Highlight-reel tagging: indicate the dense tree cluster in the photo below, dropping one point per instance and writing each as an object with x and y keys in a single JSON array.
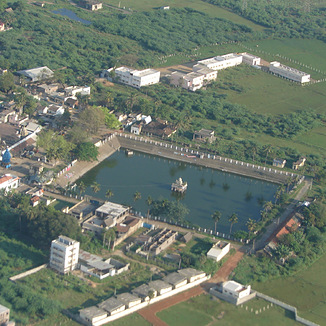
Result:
[
  {"x": 172, "y": 30},
  {"x": 286, "y": 18}
]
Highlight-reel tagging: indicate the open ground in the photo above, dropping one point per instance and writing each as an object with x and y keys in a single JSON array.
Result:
[{"x": 306, "y": 290}]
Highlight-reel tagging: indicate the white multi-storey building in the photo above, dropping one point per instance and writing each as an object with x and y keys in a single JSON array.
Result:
[
  {"x": 64, "y": 254},
  {"x": 137, "y": 78},
  {"x": 222, "y": 62},
  {"x": 287, "y": 72}
]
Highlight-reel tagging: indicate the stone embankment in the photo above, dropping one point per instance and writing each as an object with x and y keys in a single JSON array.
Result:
[{"x": 191, "y": 156}]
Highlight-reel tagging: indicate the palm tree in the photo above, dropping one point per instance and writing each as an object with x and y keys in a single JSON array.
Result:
[
  {"x": 251, "y": 225},
  {"x": 109, "y": 193},
  {"x": 96, "y": 187},
  {"x": 263, "y": 215},
  {"x": 137, "y": 195},
  {"x": 149, "y": 202},
  {"x": 268, "y": 206},
  {"x": 216, "y": 217},
  {"x": 233, "y": 219},
  {"x": 82, "y": 187}
]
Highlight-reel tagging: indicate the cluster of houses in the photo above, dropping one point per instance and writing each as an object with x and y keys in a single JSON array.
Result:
[
  {"x": 280, "y": 163},
  {"x": 66, "y": 256},
  {"x": 123, "y": 304}
]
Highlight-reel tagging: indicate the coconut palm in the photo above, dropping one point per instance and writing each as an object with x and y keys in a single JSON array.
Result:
[
  {"x": 268, "y": 206},
  {"x": 233, "y": 219},
  {"x": 149, "y": 202},
  {"x": 251, "y": 225},
  {"x": 137, "y": 195},
  {"x": 109, "y": 193},
  {"x": 82, "y": 187},
  {"x": 216, "y": 217},
  {"x": 96, "y": 187}
]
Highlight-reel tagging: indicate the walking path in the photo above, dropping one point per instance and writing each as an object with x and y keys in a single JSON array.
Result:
[
  {"x": 270, "y": 229},
  {"x": 149, "y": 313},
  {"x": 81, "y": 167}
]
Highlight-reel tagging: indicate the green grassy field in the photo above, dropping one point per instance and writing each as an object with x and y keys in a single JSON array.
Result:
[
  {"x": 131, "y": 320},
  {"x": 308, "y": 52},
  {"x": 213, "y": 11},
  {"x": 306, "y": 291},
  {"x": 268, "y": 94},
  {"x": 203, "y": 310}
]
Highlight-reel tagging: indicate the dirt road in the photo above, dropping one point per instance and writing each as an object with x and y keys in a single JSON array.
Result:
[{"x": 149, "y": 313}]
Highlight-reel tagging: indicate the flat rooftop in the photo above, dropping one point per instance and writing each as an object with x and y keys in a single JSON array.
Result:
[
  {"x": 112, "y": 209},
  {"x": 3, "y": 308},
  {"x": 92, "y": 312},
  {"x": 145, "y": 72},
  {"x": 174, "y": 278},
  {"x": 190, "y": 272},
  {"x": 159, "y": 285},
  {"x": 127, "y": 297},
  {"x": 279, "y": 65},
  {"x": 88, "y": 257},
  {"x": 110, "y": 304}
]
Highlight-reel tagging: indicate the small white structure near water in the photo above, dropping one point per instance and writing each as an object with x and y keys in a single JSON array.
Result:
[{"x": 219, "y": 250}]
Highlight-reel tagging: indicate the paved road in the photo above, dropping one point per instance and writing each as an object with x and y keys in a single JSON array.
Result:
[{"x": 262, "y": 242}]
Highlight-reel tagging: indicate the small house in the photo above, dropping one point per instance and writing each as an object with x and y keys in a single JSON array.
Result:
[
  {"x": 187, "y": 237},
  {"x": 176, "y": 280},
  {"x": 112, "y": 306},
  {"x": 136, "y": 128},
  {"x": 279, "y": 163},
  {"x": 219, "y": 250},
  {"x": 298, "y": 164},
  {"x": 191, "y": 274},
  {"x": 160, "y": 286},
  {"x": 204, "y": 135},
  {"x": 92, "y": 314},
  {"x": 143, "y": 292},
  {"x": 2, "y": 26},
  {"x": 4, "y": 315},
  {"x": 235, "y": 289},
  {"x": 128, "y": 299}
]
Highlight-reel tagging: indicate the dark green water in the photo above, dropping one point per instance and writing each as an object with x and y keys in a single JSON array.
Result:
[{"x": 152, "y": 176}]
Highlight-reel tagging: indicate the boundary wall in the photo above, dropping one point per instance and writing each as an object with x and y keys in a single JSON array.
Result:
[
  {"x": 144, "y": 304},
  {"x": 29, "y": 272},
  {"x": 287, "y": 307}
]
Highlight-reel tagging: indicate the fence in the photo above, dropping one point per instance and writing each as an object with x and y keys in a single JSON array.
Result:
[{"x": 287, "y": 307}]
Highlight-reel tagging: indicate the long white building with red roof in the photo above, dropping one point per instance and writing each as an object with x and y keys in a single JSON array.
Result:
[{"x": 9, "y": 182}]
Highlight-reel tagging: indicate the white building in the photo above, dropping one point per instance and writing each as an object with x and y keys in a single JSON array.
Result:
[
  {"x": 192, "y": 274},
  {"x": 112, "y": 213},
  {"x": 64, "y": 254},
  {"x": 9, "y": 182},
  {"x": 287, "y": 72},
  {"x": 191, "y": 81},
  {"x": 36, "y": 74},
  {"x": 235, "y": 289},
  {"x": 74, "y": 90},
  {"x": 250, "y": 59},
  {"x": 222, "y": 62},
  {"x": 137, "y": 78},
  {"x": 219, "y": 250}
]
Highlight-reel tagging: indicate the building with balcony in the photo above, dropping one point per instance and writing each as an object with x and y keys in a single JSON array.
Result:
[
  {"x": 64, "y": 254},
  {"x": 289, "y": 73}
]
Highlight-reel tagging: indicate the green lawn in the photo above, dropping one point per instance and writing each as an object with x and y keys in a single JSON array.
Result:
[
  {"x": 61, "y": 204},
  {"x": 212, "y": 10},
  {"x": 203, "y": 310},
  {"x": 308, "y": 52},
  {"x": 306, "y": 291},
  {"x": 131, "y": 320},
  {"x": 268, "y": 94}
]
